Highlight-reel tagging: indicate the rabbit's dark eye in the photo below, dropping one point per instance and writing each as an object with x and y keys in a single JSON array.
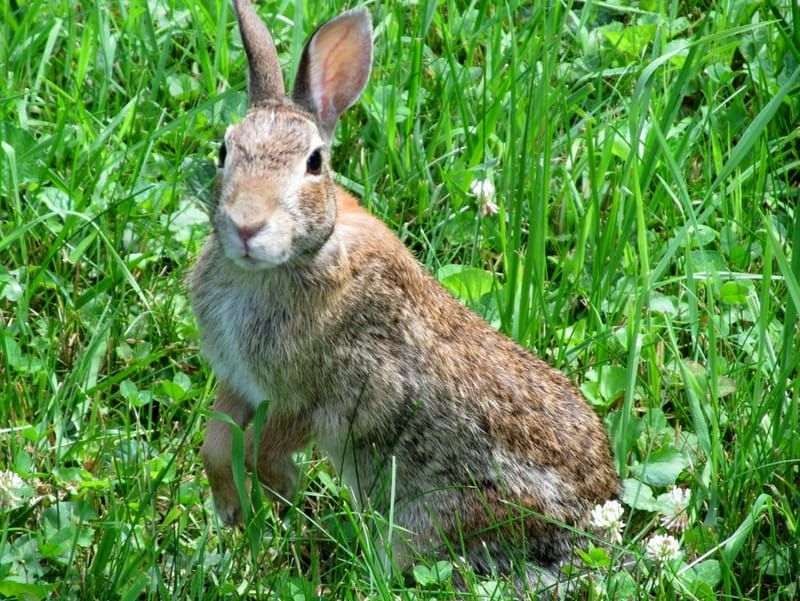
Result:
[
  {"x": 314, "y": 163},
  {"x": 222, "y": 153}
]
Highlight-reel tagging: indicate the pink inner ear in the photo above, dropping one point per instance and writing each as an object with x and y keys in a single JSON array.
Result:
[
  {"x": 340, "y": 61},
  {"x": 326, "y": 111}
]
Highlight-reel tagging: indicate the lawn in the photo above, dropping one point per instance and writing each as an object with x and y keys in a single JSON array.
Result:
[{"x": 613, "y": 184}]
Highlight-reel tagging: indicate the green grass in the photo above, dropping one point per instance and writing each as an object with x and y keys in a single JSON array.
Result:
[{"x": 646, "y": 159}]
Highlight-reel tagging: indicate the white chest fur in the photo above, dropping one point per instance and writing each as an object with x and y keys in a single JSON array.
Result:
[{"x": 226, "y": 335}]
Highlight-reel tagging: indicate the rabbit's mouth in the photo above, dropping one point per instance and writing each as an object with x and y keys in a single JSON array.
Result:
[
  {"x": 256, "y": 258},
  {"x": 264, "y": 245},
  {"x": 248, "y": 262}
]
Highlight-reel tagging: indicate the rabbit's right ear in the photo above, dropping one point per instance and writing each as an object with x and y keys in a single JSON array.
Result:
[
  {"x": 335, "y": 67},
  {"x": 265, "y": 79}
]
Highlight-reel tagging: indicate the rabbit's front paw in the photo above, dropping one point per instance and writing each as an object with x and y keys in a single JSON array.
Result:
[
  {"x": 226, "y": 501},
  {"x": 280, "y": 478},
  {"x": 229, "y": 509},
  {"x": 220, "y": 478}
]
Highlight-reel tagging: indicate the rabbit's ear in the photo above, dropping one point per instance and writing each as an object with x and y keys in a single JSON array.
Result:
[
  {"x": 335, "y": 67},
  {"x": 266, "y": 81}
]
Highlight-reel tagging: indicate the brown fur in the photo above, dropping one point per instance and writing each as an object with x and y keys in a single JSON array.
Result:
[{"x": 357, "y": 347}]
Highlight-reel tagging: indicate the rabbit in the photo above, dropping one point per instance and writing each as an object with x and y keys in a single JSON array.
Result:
[{"x": 305, "y": 300}]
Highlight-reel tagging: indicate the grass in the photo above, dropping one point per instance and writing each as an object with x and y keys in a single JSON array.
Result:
[{"x": 646, "y": 160}]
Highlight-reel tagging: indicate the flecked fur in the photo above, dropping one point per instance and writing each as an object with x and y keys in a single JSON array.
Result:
[{"x": 357, "y": 347}]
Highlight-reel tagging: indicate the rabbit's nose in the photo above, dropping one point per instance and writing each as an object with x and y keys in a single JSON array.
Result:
[{"x": 248, "y": 231}]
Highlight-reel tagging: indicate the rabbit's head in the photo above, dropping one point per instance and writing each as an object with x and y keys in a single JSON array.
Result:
[{"x": 277, "y": 201}]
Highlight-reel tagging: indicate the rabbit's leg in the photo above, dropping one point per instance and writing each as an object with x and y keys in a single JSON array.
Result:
[
  {"x": 281, "y": 435},
  {"x": 216, "y": 453},
  {"x": 489, "y": 532}
]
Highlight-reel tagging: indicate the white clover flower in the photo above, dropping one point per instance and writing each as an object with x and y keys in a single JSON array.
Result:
[
  {"x": 607, "y": 518},
  {"x": 484, "y": 191},
  {"x": 662, "y": 548},
  {"x": 676, "y": 517},
  {"x": 10, "y": 488}
]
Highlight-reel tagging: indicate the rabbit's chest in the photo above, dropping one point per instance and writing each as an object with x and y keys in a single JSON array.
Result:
[{"x": 248, "y": 346}]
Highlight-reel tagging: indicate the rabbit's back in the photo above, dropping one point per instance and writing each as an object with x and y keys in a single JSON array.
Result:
[
  {"x": 459, "y": 406},
  {"x": 401, "y": 317}
]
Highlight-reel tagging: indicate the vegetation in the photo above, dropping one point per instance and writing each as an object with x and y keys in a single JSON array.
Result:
[{"x": 642, "y": 236}]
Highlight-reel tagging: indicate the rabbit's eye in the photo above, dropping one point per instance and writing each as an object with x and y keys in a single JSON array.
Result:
[
  {"x": 314, "y": 163},
  {"x": 222, "y": 153}
]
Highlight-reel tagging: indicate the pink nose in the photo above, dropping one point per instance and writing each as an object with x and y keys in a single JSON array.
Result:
[{"x": 248, "y": 231}]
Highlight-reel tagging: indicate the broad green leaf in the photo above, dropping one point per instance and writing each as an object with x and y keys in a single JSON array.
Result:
[
  {"x": 595, "y": 557},
  {"x": 440, "y": 572},
  {"x": 423, "y": 576},
  {"x": 708, "y": 261},
  {"x": 630, "y": 40},
  {"x": 734, "y": 293},
  {"x": 772, "y": 560},
  {"x": 622, "y": 586},
  {"x": 638, "y": 495},
  {"x": 612, "y": 381},
  {"x": 23, "y": 590},
  {"x": 662, "y": 468},
  {"x": 128, "y": 390},
  {"x": 701, "y": 579},
  {"x": 709, "y": 572},
  {"x": 468, "y": 284},
  {"x": 700, "y": 235},
  {"x": 665, "y": 305}
]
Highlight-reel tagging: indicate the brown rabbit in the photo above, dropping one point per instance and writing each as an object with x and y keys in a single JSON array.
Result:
[{"x": 306, "y": 300}]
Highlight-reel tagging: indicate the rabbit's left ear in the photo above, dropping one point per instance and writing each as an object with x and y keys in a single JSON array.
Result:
[{"x": 335, "y": 67}]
